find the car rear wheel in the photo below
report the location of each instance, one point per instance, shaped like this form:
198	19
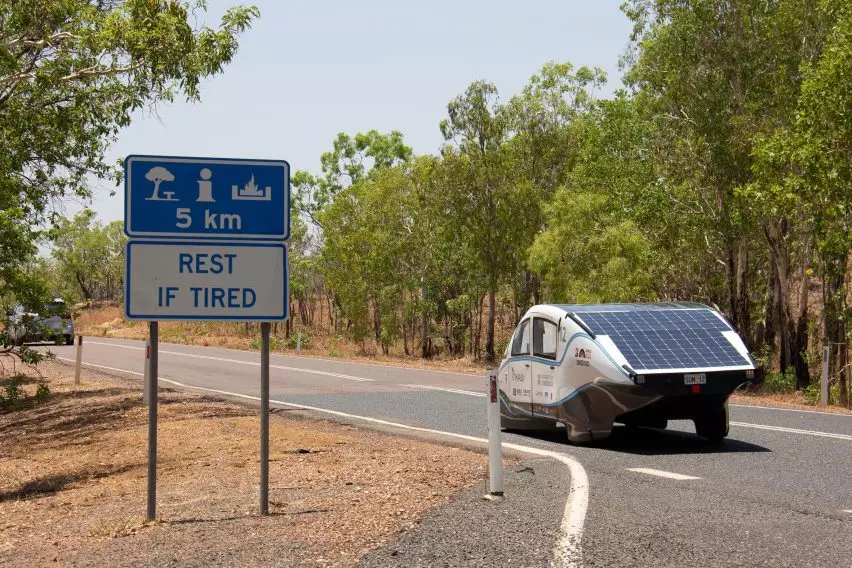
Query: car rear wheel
69	340
713	426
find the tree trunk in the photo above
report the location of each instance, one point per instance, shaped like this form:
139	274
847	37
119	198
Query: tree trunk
87	295
489	330
742	298
800	332
834	300
770	318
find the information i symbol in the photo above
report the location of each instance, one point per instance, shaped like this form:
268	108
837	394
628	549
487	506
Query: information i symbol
205	187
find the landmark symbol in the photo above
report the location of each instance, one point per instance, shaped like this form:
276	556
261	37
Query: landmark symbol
251	192
158	175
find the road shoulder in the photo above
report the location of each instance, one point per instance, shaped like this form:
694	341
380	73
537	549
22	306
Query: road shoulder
519	531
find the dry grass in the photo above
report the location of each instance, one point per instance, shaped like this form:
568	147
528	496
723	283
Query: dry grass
108	321
785	400
73	478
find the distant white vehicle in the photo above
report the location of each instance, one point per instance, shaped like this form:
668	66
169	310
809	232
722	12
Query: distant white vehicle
589	366
54	325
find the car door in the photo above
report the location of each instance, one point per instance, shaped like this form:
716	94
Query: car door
519	387
543	371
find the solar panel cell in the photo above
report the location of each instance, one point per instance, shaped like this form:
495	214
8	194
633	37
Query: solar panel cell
659	339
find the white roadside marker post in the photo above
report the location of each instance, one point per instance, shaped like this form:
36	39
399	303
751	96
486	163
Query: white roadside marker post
823	387
495	449
79	362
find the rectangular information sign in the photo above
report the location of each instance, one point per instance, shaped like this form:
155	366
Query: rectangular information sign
206	198
171	280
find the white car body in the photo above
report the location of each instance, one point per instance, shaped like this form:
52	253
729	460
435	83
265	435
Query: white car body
557	369
32	327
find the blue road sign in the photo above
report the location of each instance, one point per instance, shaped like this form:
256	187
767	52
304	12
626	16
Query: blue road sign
206	198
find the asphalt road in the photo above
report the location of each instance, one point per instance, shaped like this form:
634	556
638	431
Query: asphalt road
777	492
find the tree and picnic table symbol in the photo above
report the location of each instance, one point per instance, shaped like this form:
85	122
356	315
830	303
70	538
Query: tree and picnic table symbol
251	191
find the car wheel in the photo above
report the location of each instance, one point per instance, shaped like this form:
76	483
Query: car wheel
713	426
69	340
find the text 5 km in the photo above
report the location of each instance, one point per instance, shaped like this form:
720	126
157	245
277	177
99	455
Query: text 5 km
215	221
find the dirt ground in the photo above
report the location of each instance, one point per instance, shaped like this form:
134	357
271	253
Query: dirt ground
73	482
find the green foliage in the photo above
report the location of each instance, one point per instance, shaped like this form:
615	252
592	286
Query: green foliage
71	75
90	256
42	393
12	394
780	382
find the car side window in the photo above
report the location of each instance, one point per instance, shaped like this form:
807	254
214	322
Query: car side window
544	338
521	341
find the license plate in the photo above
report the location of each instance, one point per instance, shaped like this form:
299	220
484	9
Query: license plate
695	379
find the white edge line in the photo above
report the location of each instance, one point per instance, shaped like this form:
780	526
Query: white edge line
454	391
291	356
242	362
793	430
791	410
568	552
661	473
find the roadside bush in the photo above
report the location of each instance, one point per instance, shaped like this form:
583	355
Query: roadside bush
12	393
781	383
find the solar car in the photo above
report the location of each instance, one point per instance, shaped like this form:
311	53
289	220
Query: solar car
589	366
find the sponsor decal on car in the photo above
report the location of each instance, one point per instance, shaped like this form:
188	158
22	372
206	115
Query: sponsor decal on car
582	356
544	380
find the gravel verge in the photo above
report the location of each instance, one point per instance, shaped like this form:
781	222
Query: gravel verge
73	478
520	531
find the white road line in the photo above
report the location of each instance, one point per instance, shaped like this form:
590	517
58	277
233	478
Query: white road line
295	357
568	552
242	362
793	430
792	410
661	473
847	510
99	366
455	391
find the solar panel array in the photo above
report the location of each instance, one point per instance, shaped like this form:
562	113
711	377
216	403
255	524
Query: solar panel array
667	339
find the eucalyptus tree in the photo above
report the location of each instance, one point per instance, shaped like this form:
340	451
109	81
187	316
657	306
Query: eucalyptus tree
71	75
484	199
351	159
805	173
716	76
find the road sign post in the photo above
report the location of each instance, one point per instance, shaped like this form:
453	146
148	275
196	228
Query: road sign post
207	242
153	337
264	418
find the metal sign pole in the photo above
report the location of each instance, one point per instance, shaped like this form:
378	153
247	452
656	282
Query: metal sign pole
152	422
264	418
146	383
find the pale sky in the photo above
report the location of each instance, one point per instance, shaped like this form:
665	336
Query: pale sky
308	70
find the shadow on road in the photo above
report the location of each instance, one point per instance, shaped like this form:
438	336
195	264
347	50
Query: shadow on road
653	442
